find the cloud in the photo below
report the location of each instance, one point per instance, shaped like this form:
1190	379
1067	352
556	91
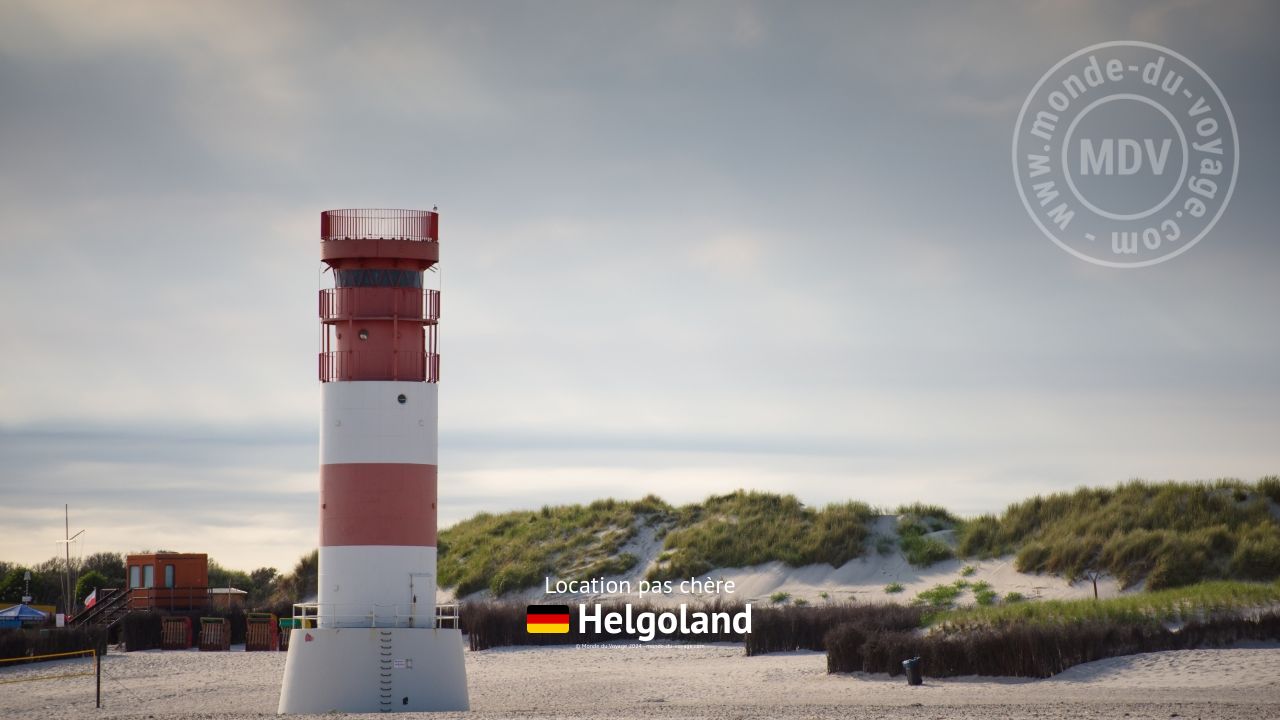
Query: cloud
733	254
685	249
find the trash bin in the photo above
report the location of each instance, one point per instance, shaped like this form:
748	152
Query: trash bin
914	670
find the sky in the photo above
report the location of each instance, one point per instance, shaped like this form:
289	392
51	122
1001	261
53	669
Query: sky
686	248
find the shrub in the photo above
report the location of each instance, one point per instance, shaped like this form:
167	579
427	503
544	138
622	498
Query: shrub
1030	649
968	571
87	583
1014	596
789	628
893	588
141	630
779	598
985	596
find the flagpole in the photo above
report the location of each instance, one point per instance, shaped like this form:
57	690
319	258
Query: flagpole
66	584
67	589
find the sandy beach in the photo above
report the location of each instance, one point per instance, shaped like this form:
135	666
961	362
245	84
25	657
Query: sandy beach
680	681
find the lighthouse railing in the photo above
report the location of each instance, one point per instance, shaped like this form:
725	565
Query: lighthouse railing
356	303
380	224
410	365
374	615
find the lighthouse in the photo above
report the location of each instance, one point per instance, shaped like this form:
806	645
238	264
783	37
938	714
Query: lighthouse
374	639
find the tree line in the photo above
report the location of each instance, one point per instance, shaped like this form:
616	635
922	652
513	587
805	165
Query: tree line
265	585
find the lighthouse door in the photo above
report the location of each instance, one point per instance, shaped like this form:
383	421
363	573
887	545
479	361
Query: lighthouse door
422	598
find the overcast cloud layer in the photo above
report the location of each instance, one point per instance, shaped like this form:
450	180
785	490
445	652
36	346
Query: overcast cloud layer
686	248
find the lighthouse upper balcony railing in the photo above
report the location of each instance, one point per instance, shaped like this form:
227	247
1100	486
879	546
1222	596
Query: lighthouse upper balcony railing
380	224
410	366
365	303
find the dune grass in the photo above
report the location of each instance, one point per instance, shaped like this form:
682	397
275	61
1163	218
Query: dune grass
516	550
1168	534
1184	603
750	528
1161	534
915	522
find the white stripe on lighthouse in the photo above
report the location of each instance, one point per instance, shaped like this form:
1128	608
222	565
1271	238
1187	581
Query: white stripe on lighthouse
364	585
365	422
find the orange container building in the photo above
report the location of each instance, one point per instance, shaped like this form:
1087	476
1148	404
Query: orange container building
168	581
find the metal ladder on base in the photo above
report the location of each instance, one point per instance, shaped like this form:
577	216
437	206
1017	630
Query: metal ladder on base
385	664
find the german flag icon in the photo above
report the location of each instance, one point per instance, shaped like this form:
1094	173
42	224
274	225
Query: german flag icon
547	619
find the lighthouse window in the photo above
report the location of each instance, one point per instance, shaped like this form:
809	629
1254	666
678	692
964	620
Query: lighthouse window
379	277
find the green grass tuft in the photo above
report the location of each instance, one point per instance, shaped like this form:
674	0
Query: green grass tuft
939	596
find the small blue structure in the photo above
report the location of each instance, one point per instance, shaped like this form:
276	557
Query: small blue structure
16	616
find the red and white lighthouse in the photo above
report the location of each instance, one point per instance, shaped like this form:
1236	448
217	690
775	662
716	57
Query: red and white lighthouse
374	641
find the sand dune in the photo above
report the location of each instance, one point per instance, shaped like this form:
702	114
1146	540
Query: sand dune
682	681
861	579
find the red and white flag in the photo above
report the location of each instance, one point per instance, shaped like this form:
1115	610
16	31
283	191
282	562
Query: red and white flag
91	599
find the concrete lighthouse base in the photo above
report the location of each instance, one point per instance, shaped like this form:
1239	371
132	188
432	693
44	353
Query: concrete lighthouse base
360	670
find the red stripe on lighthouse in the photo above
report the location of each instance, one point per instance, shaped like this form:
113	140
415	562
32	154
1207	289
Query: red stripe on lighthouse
378	504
